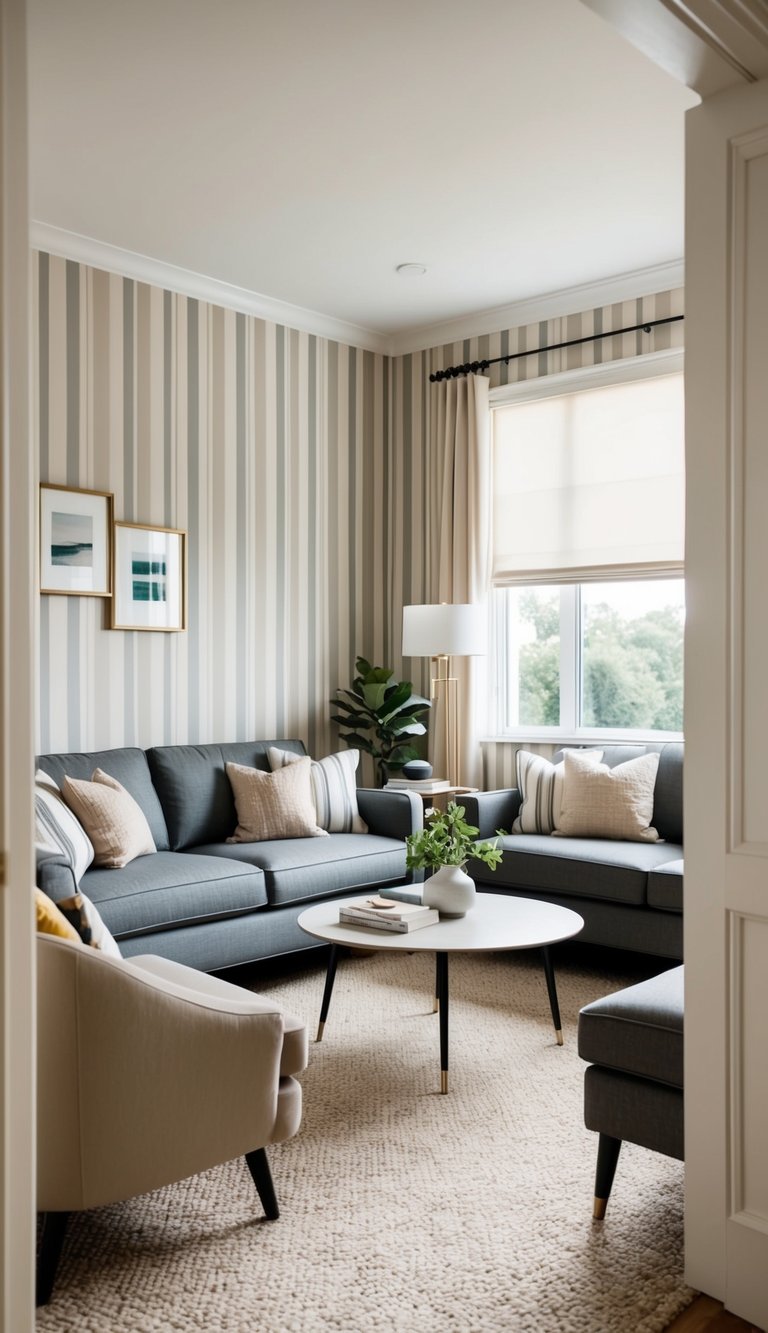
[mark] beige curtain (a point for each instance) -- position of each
(460, 545)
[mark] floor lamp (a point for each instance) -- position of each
(441, 632)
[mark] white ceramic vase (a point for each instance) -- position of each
(450, 890)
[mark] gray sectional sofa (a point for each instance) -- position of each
(204, 902)
(630, 894)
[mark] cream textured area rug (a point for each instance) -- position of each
(400, 1208)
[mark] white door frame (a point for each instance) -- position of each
(18, 471)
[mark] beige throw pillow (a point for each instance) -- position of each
(114, 822)
(333, 786)
(274, 805)
(603, 802)
(540, 784)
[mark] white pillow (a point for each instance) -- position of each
(540, 784)
(115, 822)
(273, 805)
(333, 787)
(101, 938)
(57, 827)
(603, 802)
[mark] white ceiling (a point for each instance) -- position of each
(302, 149)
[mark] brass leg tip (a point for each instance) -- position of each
(443, 1080)
(598, 1209)
(559, 1035)
(320, 1030)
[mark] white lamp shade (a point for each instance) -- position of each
(448, 629)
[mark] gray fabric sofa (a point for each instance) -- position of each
(201, 901)
(630, 894)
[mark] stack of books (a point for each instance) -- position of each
(386, 914)
(426, 785)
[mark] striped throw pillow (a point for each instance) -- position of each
(57, 827)
(540, 784)
(333, 787)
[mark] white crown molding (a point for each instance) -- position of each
(569, 301)
(98, 254)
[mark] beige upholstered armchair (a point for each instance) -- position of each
(149, 1072)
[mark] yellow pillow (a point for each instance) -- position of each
(50, 921)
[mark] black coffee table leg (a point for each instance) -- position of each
(549, 973)
(330, 977)
(442, 1001)
(436, 1001)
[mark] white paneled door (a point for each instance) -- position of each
(726, 799)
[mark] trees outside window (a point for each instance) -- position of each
(591, 656)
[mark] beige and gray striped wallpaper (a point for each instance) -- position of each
(269, 447)
(299, 468)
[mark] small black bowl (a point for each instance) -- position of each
(417, 770)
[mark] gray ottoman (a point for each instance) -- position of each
(633, 1088)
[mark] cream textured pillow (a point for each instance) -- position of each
(603, 802)
(333, 786)
(114, 822)
(274, 805)
(540, 784)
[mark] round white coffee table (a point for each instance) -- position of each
(496, 923)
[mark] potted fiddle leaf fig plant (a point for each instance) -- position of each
(443, 846)
(380, 715)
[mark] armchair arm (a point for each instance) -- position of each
(142, 1081)
(54, 874)
(390, 814)
(492, 810)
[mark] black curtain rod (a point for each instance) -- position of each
(471, 367)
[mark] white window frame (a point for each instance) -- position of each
(625, 371)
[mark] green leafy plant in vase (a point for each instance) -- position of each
(444, 846)
(379, 715)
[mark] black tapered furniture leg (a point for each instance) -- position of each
(442, 1002)
(54, 1225)
(607, 1156)
(436, 1001)
(262, 1179)
(330, 977)
(549, 973)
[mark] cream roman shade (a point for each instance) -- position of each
(590, 484)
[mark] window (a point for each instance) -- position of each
(590, 656)
(588, 603)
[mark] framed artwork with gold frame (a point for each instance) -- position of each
(150, 577)
(75, 542)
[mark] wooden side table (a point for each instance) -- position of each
(438, 800)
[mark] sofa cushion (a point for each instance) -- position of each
(274, 805)
(665, 887)
(194, 789)
(668, 793)
(603, 802)
(299, 869)
(334, 786)
(172, 889)
(116, 824)
(50, 920)
(540, 784)
(638, 1030)
(58, 828)
(584, 867)
(128, 766)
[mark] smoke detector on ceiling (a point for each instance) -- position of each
(411, 270)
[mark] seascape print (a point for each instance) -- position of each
(71, 539)
(148, 578)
